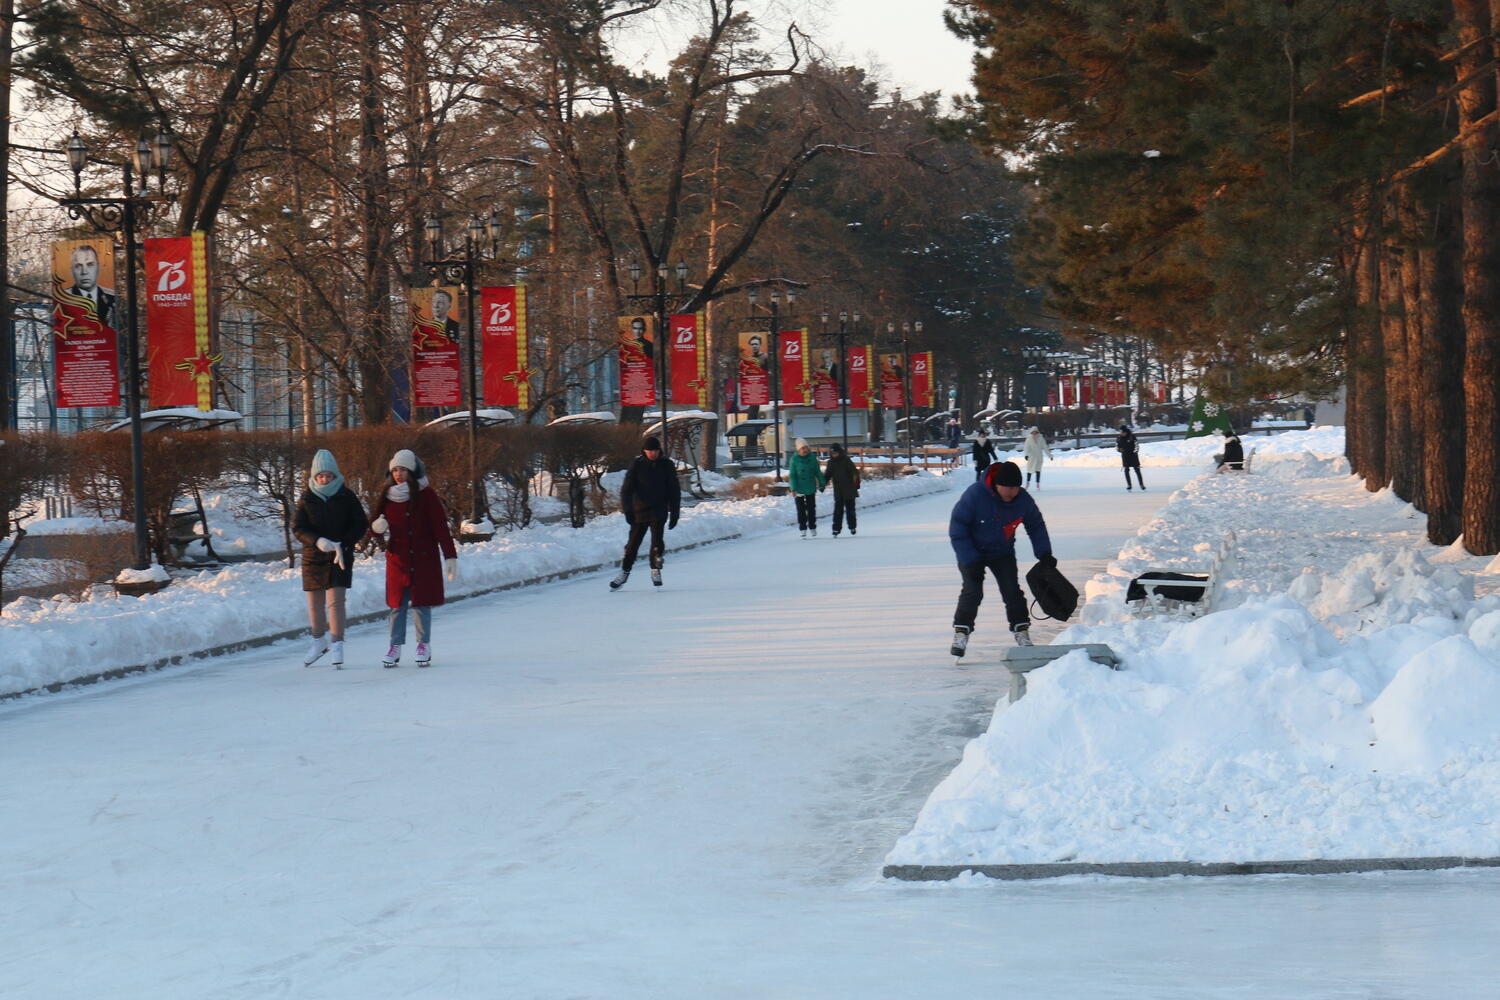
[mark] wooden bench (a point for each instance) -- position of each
(1181, 594)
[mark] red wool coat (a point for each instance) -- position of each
(419, 530)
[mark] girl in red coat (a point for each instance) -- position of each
(413, 514)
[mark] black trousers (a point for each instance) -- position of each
(1138, 478)
(979, 471)
(843, 510)
(633, 543)
(807, 510)
(1004, 569)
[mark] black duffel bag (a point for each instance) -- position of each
(1052, 592)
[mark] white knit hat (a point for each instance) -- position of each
(801, 443)
(406, 459)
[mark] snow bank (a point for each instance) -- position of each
(1341, 704)
(1326, 443)
(47, 642)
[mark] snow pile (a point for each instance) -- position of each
(1325, 442)
(46, 642)
(1340, 715)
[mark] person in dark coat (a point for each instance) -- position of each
(955, 432)
(418, 549)
(1130, 455)
(843, 475)
(982, 530)
(1233, 456)
(651, 499)
(984, 454)
(329, 520)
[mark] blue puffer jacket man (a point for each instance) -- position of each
(982, 529)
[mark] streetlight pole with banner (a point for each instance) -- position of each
(658, 297)
(753, 294)
(127, 215)
(461, 267)
(843, 367)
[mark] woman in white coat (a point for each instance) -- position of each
(1036, 450)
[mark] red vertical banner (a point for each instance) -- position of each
(859, 377)
(1117, 392)
(179, 341)
(86, 348)
(502, 331)
(1066, 387)
(1052, 394)
(436, 372)
(1086, 389)
(637, 360)
(794, 380)
(892, 381)
(1161, 392)
(921, 378)
(754, 370)
(689, 360)
(825, 379)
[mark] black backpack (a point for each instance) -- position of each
(1051, 590)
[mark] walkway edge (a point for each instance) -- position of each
(115, 673)
(1164, 869)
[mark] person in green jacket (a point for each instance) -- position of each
(843, 476)
(806, 479)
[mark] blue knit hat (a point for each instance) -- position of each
(323, 462)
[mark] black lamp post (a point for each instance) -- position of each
(753, 295)
(127, 215)
(906, 331)
(461, 267)
(843, 367)
(658, 297)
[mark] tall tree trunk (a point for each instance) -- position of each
(1441, 384)
(1410, 478)
(7, 337)
(1367, 363)
(1480, 196)
(1393, 340)
(374, 351)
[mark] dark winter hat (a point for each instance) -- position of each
(652, 444)
(836, 448)
(1006, 474)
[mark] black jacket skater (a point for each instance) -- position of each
(339, 519)
(844, 475)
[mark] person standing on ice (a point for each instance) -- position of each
(806, 479)
(651, 499)
(843, 475)
(982, 529)
(329, 520)
(1036, 450)
(1130, 455)
(984, 455)
(419, 547)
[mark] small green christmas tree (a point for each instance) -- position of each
(1207, 418)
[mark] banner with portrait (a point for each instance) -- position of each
(796, 386)
(859, 376)
(825, 379)
(892, 381)
(921, 378)
(502, 332)
(86, 348)
(1066, 386)
(637, 360)
(179, 342)
(436, 371)
(688, 360)
(754, 370)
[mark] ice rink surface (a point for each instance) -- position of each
(685, 792)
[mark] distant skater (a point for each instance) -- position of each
(806, 479)
(984, 454)
(1036, 451)
(843, 475)
(418, 549)
(1130, 455)
(651, 498)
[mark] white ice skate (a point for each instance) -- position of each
(619, 580)
(656, 577)
(424, 655)
(1023, 637)
(960, 640)
(338, 654)
(392, 657)
(316, 647)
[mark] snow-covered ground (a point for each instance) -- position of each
(1341, 704)
(675, 793)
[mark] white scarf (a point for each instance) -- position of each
(399, 493)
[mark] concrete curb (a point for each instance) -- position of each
(265, 640)
(1163, 869)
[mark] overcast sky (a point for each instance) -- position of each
(904, 39)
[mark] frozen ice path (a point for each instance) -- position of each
(648, 794)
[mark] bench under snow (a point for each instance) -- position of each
(1160, 591)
